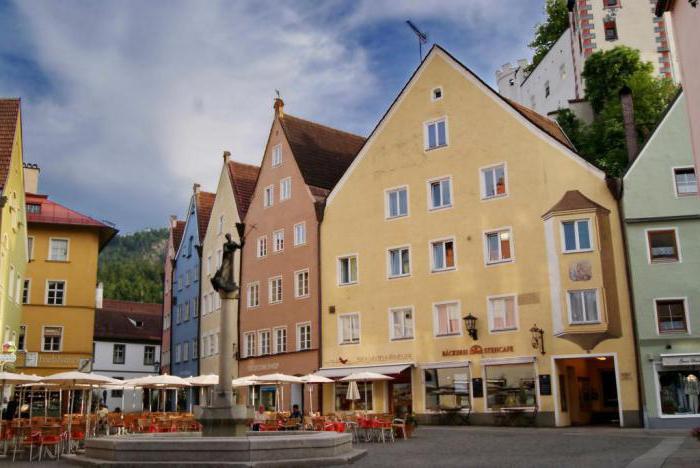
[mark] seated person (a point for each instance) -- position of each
(296, 414)
(259, 418)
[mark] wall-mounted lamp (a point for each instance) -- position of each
(537, 338)
(470, 324)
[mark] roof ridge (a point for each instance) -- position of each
(312, 122)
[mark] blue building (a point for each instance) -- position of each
(186, 287)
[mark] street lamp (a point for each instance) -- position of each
(537, 338)
(470, 324)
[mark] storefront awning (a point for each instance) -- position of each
(507, 360)
(680, 359)
(338, 372)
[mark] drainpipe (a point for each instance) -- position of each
(320, 208)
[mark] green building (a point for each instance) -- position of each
(661, 208)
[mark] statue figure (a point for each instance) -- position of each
(224, 280)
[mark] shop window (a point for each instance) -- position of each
(397, 202)
(577, 235)
(510, 385)
(663, 246)
(678, 391)
(670, 316)
(436, 134)
(610, 30)
(349, 329)
(447, 389)
(493, 181)
(443, 253)
(498, 246)
(686, 181)
(446, 319)
(342, 403)
(399, 262)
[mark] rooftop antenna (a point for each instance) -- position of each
(422, 38)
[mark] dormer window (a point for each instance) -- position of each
(34, 208)
(437, 94)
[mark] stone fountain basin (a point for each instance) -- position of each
(260, 449)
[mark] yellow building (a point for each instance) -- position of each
(13, 224)
(473, 256)
(59, 293)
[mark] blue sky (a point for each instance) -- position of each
(127, 103)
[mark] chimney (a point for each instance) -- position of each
(195, 187)
(279, 107)
(628, 120)
(173, 220)
(227, 156)
(31, 178)
(99, 293)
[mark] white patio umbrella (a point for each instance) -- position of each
(245, 382)
(10, 378)
(203, 381)
(161, 381)
(353, 394)
(365, 377)
(314, 379)
(277, 379)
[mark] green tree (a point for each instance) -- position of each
(546, 33)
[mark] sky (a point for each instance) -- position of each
(126, 104)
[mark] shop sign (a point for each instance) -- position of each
(7, 357)
(476, 350)
(392, 357)
(263, 367)
(681, 361)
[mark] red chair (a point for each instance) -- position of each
(50, 437)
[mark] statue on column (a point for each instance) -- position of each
(224, 279)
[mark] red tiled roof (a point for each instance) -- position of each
(543, 123)
(574, 200)
(133, 306)
(129, 321)
(243, 179)
(205, 202)
(50, 212)
(178, 231)
(322, 153)
(9, 114)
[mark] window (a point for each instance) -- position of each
(118, 354)
(269, 196)
(349, 328)
(190, 244)
(343, 404)
(280, 340)
(22, 339)
(493, 180)
(610, 30)
(26, 289)
(510, 385)
(301, 284)
(18, 289)
(577, 237)
(195, 349)
(447, 319)
(498, 248)
(673, 385)
(51, 339)
(399, 262)
(686, 181)
(187, 311)
(249, 339)
(220, 230)
(437, 94)
(285, 188)
(436, 134)
(276, 155)
(275, 288)
(663, 247)
(443, 254)
(185, 351)
(583, 306)
(178, 353)
(303, 336)
(447, 388)
(397, 202)
(440, 194)
(562, 71)
(195, 307)
(55, 292)
(300, 234)
(401, 323)
(116, 393)
(264, 341)
(278, 241)
(30, 248)
(502, 313)
(179, 282)
(347, 270)
(253, 295)
(670, 316)
(262, 246)
(611, 3)
(33, 208)
(58, 250)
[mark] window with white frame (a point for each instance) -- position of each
(583, 306)
(278, 240)
(303, 336)
(118, 354)
(185, 351)
(187, 311)
(349, 328)
(11, 287)
(440, 193)
(264, 342)
(58, 250)
(301, 284)
(188, 278)
(502, 313)
(195, 349)
(686, 181)
(397, 202)
(447, 318)
(55, 292)
(269, 197)
(275, 290)
(436, 134)
(300, 233)
(262, 246)
(493, 181)
(436, 94)
(51, 339)
(253, 294)
(205, 346)
(285, 188)
(443, 255)
(280, 335)
(498, 246)
(30, 248)
(577, 235)
(22, 338)
(663, 245)
(18, 290)
(220, 229)
(178, 353)
(347, 270)
(401, 319)
(195, 307)
(276, 155)
(399, 262)
(26, 291)
(671, 316)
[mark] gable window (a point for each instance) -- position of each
(440, 194)
(347, 270)
(502, 313)
(399, 262)
(278, 241)
(33, 208)
(303, 336)
(443, 253)
(577, 235)
(686, 181)
(286, 189)
(610, 26)
(349, 328)
(671, 316)
(269, 196)
(275, 288)
(262, 246)
(300, 233)
(436, 94)
(493, 181)
(220, 230)
(253, 295)
(264, 342)
(55, 292)
(276, 155)
(436, 134)
(446, 319)
(663, 246)
(249, 339)
(583, 306)
(51, 339)
(280, 339)
(58, 250)
(26, 290)
(498, 246)
(118, 354)
(301, 284)
(397, 202)
(22, 338)
(401, 326)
